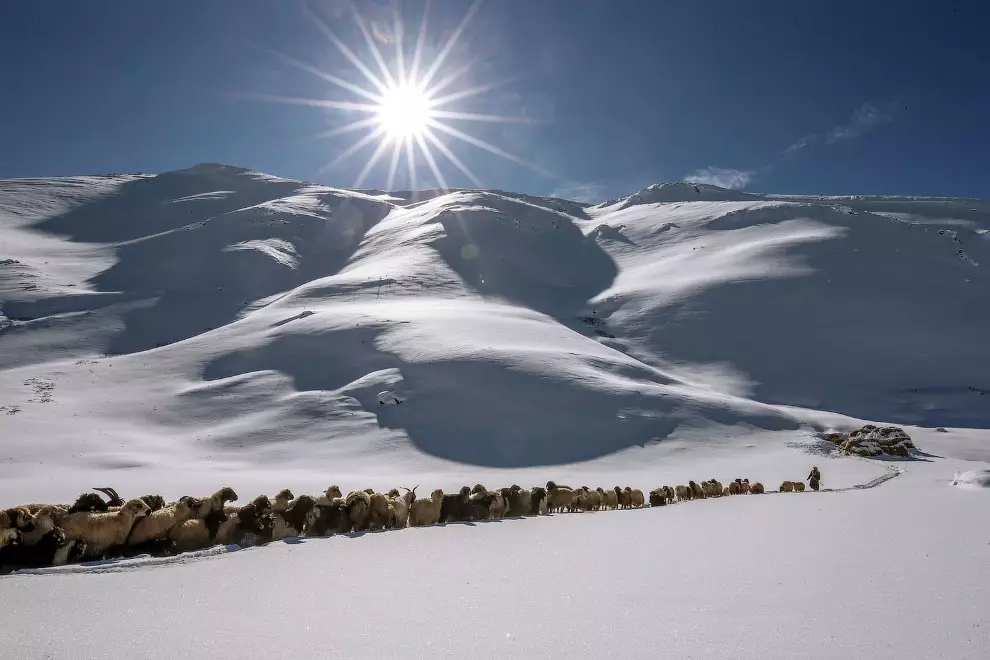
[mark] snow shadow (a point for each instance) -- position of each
(473, 410)
(529, 255)
(846, 332)
(201, 249)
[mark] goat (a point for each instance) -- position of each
(400, 507)
(426, 512)
(478, 506)
(102, 531)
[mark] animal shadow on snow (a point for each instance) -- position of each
(199, 259)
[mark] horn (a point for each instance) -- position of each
(112, 494)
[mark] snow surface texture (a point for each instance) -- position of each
(215, 325)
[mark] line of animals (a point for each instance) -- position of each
(93, 528)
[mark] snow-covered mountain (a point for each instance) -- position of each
(217, 318)
(211, 326)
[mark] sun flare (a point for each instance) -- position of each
(404, 112)
(407, 102)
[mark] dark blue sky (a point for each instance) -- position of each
(804, 97)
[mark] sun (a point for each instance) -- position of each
(406, 103)
(404, 112)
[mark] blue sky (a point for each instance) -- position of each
(803, 97)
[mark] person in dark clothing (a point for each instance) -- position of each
(815, 478)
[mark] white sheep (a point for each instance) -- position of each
(282, 499)
(102, 531)
(559, 498)
(426, 512)
(399, 507)
(158, 524)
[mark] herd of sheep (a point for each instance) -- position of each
(93, 528)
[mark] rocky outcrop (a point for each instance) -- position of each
(874, 441)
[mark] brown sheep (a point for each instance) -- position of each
(697, 492)
(756, 488)
(17, 517)
(708, 488)
(786, 487)
(636, 498)
(682, 492)
(359, 509)
(282, 499)
(798, 486)
(292, 521)
(329, 495)
(380, 513)
(519, 499)
(623, 497)
(734, 488)
(658, 497)
(744, 486)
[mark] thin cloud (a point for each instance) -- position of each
(579, 192)
(866, 117)
(802, 143)
(722, 177)
(862, 121)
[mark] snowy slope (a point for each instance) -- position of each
(217, 319)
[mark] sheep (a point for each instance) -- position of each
(329, 495)
(17, 517)
(578, 501)
(292, 521)
(499, 504)
(708, 487)
(478, 506)
(636, 498)
(786, 487)
(9, 537)
(559, 498)
(282, 500)
(798, 486)
(89, 502)
(670, 494)
(719, 488)
(744, 487)
(658, 497)
(756, 488)
(399, 507)
(624, 496)
(697, 492)
(380, 512)
(53, 549)
(682, 492)
(734, 487)
(426, 512)
(540, 500)
(596, 499)
(158, 524)
(331, 518)
(359, 509)
(102, 531)
(212, 522)
(454, 505)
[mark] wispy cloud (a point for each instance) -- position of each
(866, 117)
(721, 177)
(802, 143)
(579, 192)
